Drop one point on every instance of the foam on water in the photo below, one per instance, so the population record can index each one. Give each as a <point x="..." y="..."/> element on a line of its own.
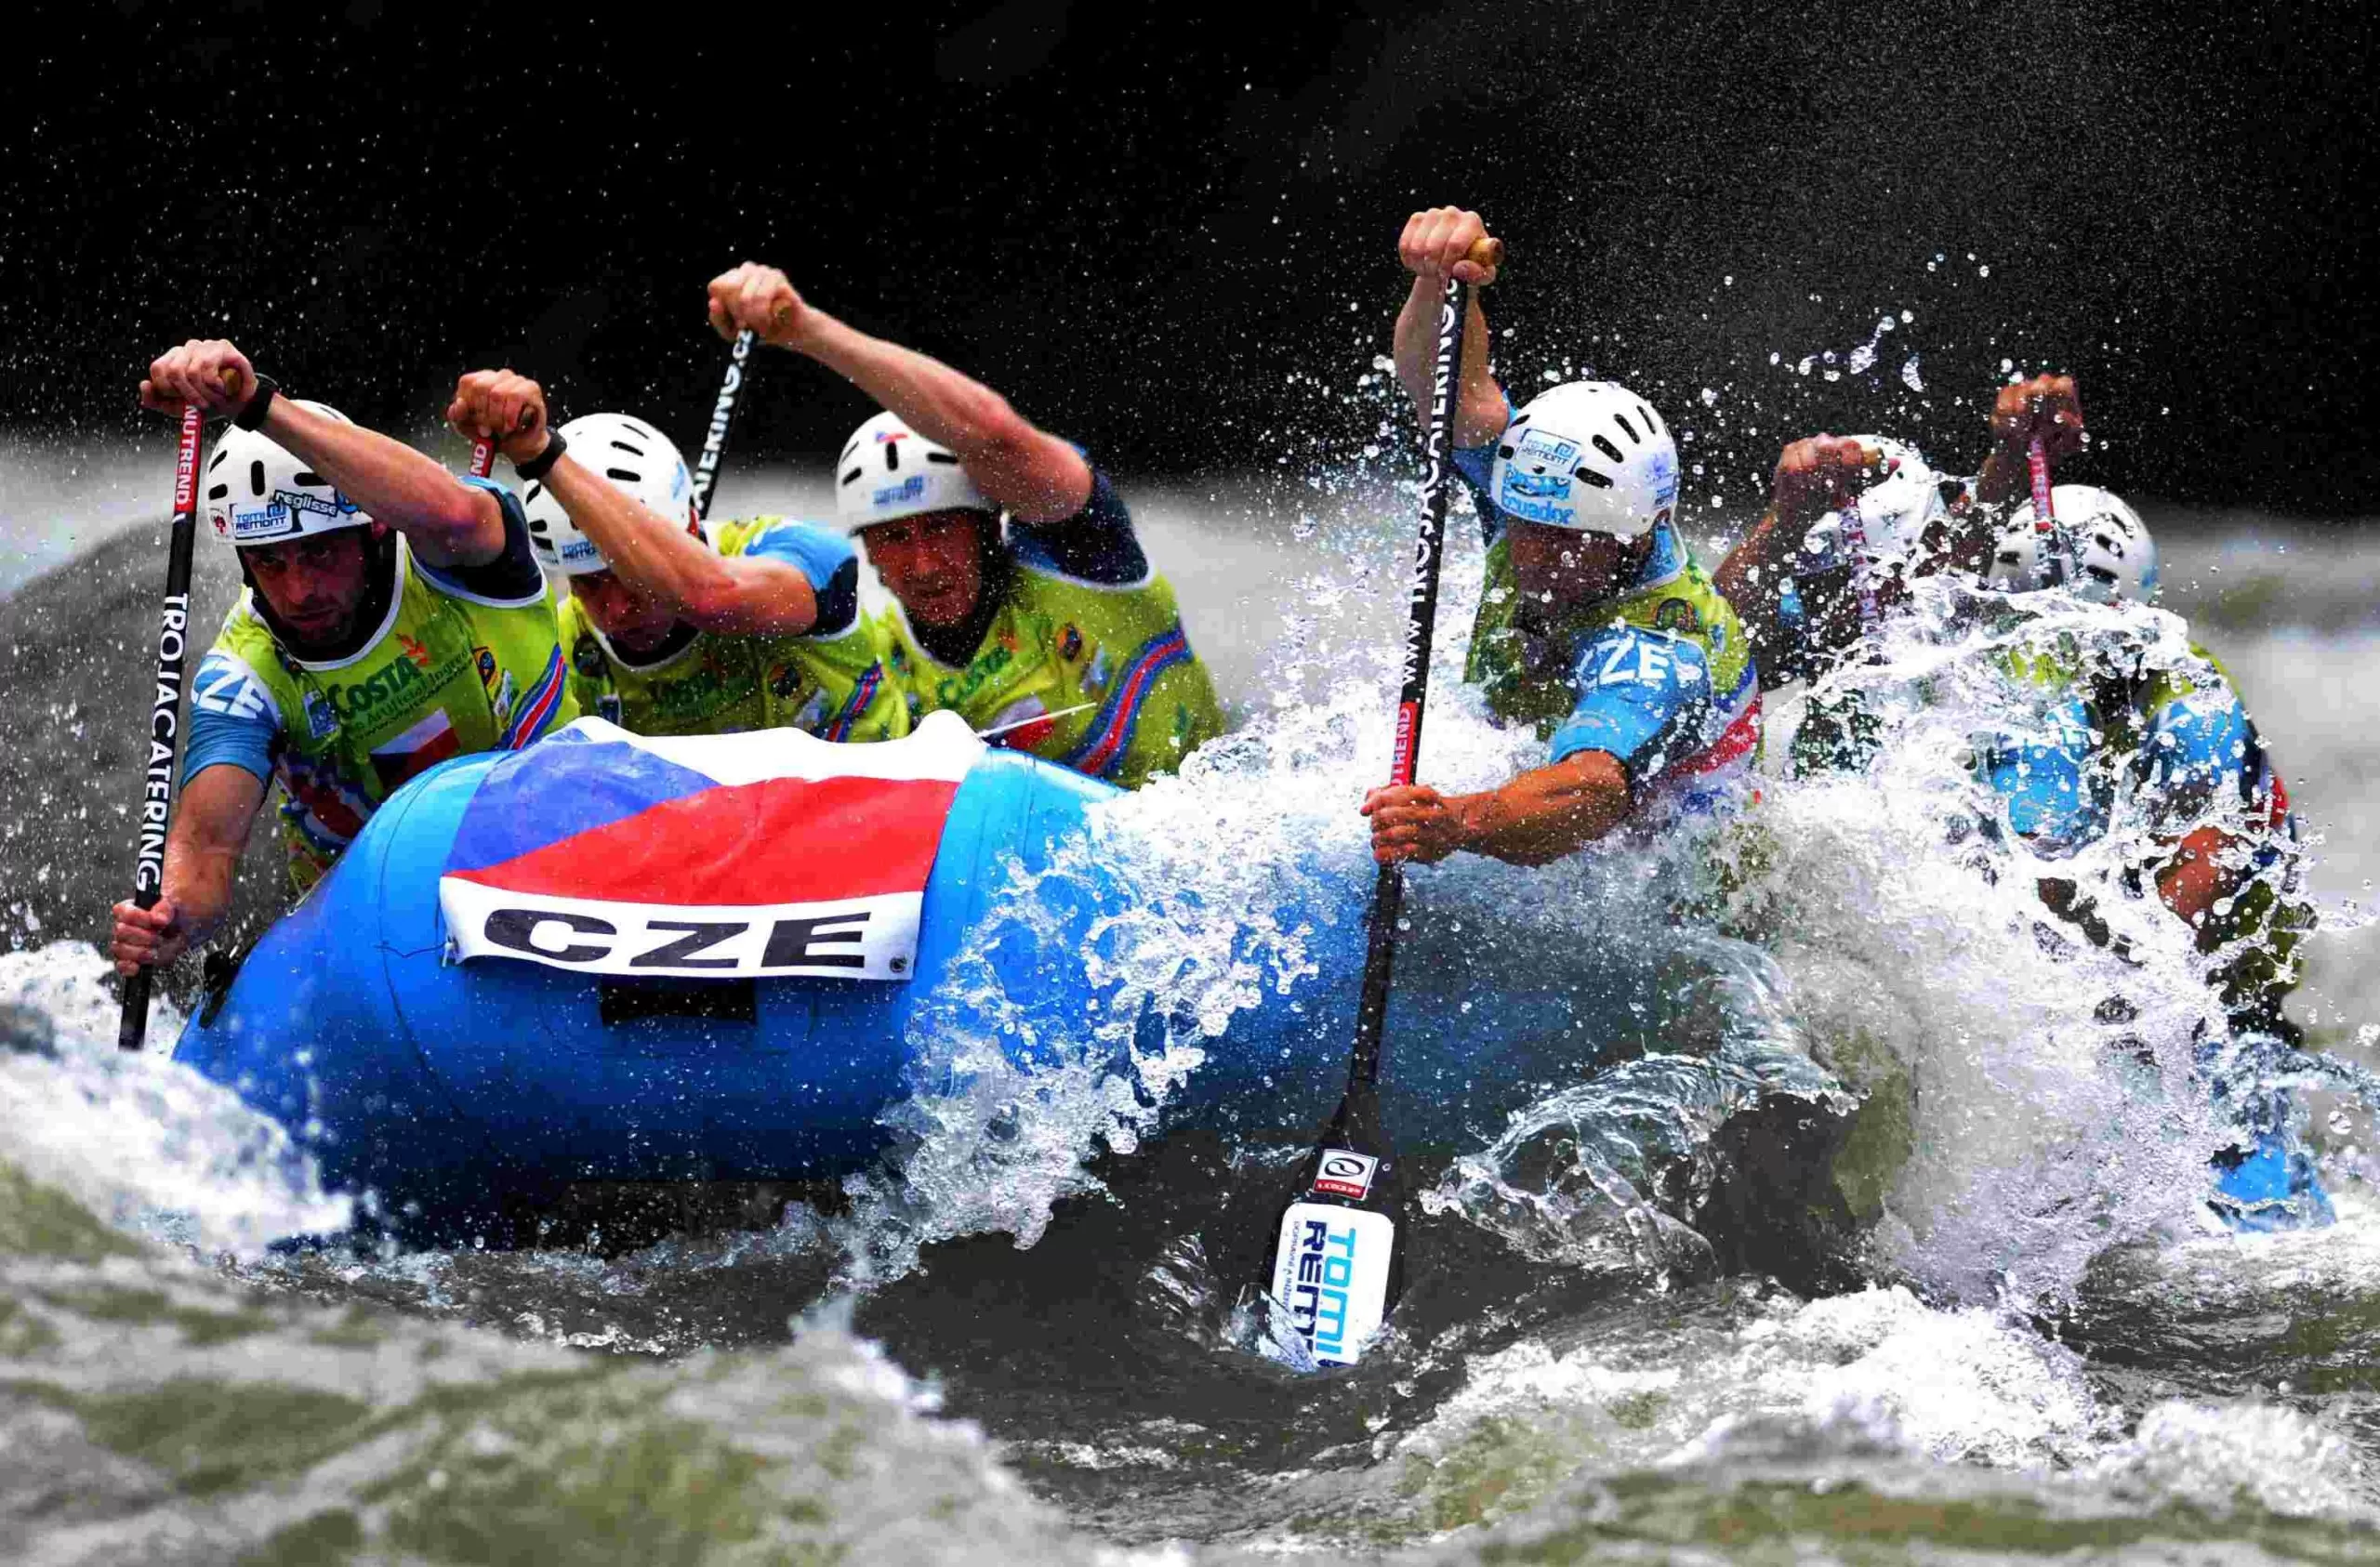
<point x="152" y="1146"/>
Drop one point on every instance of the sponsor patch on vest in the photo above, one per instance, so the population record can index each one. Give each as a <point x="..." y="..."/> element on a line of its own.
<point x="322" y="721"/>
<point x="586" y="656"/>
<point x="1070" y="642"/>
<point x="1676" y="615"/>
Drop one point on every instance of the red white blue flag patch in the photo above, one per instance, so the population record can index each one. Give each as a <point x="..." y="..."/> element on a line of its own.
<point x="730" y="856"/>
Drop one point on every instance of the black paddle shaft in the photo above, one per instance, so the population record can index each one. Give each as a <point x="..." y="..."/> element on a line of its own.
<point x="1429" y="549"/>
<point x="165" y="719"/>
<point x="721" y="414"/>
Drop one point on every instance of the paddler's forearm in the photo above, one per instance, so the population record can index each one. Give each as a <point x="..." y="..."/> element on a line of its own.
<point x="1482" y="410"/>
<point x="1546" y="812"/>
<point x="1013" y="462"/>
<point x="391" y="482"/>
<point x="2196" y="879"/>
<point x="662" y="560"/>
<point x="202" y="850"/>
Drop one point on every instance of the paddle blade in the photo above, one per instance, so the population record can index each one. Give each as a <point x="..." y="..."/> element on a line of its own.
<point x="1332" y="1267"/>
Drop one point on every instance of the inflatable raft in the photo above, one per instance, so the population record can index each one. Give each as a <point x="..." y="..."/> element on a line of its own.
<point x="440" y="1026"/>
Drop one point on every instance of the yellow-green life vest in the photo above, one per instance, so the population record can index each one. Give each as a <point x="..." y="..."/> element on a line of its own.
<point x="1524" y="657"/>
<point x="839" y="687"/>
<point x="1118" y="653"/>
<point x="449" y="674"/>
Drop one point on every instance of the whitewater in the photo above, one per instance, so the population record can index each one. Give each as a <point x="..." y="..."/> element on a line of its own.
<point x="1998" y="1324"/>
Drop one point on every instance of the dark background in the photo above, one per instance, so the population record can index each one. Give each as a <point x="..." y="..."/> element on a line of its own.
<point x="1171" y="236"/>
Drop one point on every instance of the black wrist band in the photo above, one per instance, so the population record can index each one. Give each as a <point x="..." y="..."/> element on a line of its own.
<point x="251" y="413"/>
<point x="536" y="466"/>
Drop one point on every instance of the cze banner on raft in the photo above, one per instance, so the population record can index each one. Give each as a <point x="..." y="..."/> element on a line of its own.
<point x="725" y="857"/>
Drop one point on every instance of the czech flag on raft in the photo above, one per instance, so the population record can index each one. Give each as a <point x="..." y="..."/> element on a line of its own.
<point x="730" y="856"/>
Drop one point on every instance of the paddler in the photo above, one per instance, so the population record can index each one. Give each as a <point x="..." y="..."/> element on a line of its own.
<point x="1057" y="638"/>
<point x="394" y="616"/>
<point x="1852" y="520"/>
<point x="2222" y="847"/>
<point x="1595" y="627"/>
<point x="673" y="626"/>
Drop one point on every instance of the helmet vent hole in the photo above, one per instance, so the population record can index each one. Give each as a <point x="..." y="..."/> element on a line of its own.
<point x="1604" y="445"/>
<point x="940" y="457"/>
<point x="1588" y="476"/>
<point x="219" y="492"/>
<point x="1520" y="419"/>
<point x="1652" y="420"/>
<point x="892" y="456"/>
<point x="218" y="461"/>
<point x="309" y="479"/>
<point x="256" y="478"/>
<point x="852" y="477"/>
<point x="534" y="490"/>
<point x="1505" y="453"/>
<point x="1621" y="420"/>
<point x="626" y="476"/>
<point x="618" y="445"/>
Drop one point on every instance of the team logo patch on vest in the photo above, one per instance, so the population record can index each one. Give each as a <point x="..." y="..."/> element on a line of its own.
<point x="322" y="718"/>
<point x="1676" y="615"/>
<point x="586" y="656"/>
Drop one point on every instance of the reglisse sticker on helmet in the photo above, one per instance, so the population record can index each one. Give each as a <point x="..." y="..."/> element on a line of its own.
<point x="1345" y="1174"/>
<point x="1330" y="1269"/>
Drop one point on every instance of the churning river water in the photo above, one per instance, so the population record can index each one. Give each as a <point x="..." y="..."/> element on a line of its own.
<point x="1018" y="1340"/>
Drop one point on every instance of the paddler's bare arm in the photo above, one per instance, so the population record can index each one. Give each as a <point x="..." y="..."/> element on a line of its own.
<point x="2196" y="879"/>
<point x="211" y="825"/>
<point x="652" y="553"/>
<point x="1812" y="476"/>
<point x="449" y="522"/>
<point x="1434" y="242"/>
<point x="1538" y="817"/>
<point x="2049" y="406"/>
<point x="1019" y="466"/>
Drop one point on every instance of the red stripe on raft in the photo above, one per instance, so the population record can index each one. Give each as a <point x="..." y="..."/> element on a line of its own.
<point x="782" y="840"/>
<point x="1736" y="743"/>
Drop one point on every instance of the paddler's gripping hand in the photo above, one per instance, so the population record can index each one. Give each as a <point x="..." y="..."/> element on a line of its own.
<point x="761" y="300"/>
<point x="1440" y="241"/>
<point x="147" y="938"/>
<point x="1413" y="822"/>
<point x="1817" y="474"/>
<point x="2047" y="406"/>
<point x="208" y="371"/>
<point x="489" y="403"/>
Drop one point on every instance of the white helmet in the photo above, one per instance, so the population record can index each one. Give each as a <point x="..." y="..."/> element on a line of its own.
<point x="888" y="470"/>
<point x="1590" y="455"/>
<point x="2114" y="557"/>
<point x="1894" y="512"/>
<point x="630" y="453"/>
<point x="257" y="492"/>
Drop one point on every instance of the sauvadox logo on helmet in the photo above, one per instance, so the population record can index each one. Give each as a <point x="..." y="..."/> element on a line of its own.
<point x="910" y="489"/>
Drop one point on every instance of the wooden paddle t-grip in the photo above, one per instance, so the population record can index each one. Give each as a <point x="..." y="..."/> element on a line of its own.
<point x="1486" y="251"/>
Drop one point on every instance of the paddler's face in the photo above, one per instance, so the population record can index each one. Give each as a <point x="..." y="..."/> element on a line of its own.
<point x="633" y="619"/>
<point x="934" y="563"/>
<point x="1564" y="566"/>
<point x="316" y="584"/>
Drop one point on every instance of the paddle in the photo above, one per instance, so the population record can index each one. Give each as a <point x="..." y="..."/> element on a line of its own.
<point x="1336" y="1262"/>
<point x="1863" y="575"/>
<point x="165" y="716"/>
<point x="2052" y="563"/>
<point x="715" y="439"/>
